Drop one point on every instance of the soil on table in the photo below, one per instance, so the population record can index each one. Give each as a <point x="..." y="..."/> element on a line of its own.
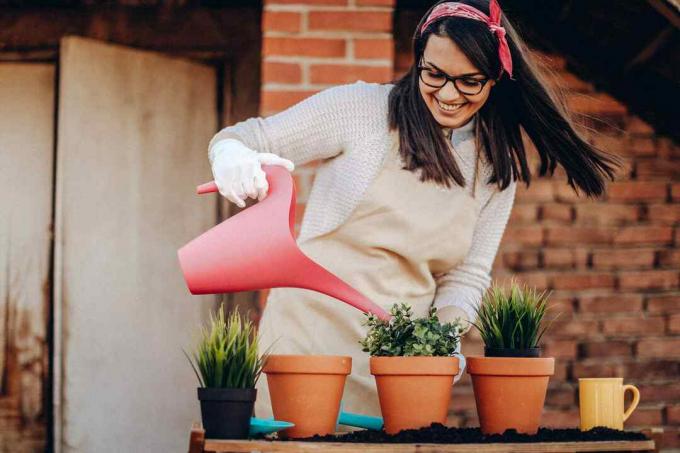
<point x="440" y="434"/>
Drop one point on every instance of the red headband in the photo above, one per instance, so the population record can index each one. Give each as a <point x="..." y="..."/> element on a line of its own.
<point x="456" y="9"/>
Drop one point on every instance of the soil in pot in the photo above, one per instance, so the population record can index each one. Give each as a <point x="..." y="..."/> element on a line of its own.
<point x="438" y="433"/>
<point x="226" y="412"/>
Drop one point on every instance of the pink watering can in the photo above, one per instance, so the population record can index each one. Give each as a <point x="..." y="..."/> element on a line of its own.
<point x="256" y="249"/>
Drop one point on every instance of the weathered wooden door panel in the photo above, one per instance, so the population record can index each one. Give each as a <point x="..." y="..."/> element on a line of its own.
<point x="132" y="134"/>
<point x="26" y="181"/>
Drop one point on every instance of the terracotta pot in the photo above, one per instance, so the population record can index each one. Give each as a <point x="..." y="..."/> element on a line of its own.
<point x="413" y="391"/>
<point x="307" y="390"/>
<point x="510" y="391"/>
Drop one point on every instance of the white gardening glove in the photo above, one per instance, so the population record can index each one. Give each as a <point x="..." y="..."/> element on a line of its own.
<point x="450" y="314"/>
<point x="238" y="173"/>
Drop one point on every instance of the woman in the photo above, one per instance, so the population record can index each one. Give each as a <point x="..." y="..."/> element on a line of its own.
<point x="416" y="183"/>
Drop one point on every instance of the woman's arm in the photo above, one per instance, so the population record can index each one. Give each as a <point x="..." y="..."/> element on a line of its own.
<point x="460" y="291"/>
<point x="315" y="128"/>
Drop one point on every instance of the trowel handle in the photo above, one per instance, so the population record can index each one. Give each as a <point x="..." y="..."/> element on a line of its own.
<point x="360" y="421"/>
<point x="208" y="187"/>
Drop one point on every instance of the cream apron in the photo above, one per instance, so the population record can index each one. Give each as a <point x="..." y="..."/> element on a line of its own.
<point x="400" y="234"/>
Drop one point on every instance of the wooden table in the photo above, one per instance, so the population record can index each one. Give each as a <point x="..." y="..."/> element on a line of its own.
<point x="199" y="444"/>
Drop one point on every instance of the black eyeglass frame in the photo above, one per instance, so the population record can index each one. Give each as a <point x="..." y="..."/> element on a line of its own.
<point x="453" y="80"/>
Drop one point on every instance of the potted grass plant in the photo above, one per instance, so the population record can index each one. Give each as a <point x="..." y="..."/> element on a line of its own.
<point x="412" y="365"/>
<point x="511" y="380"/>
<point x="227" y="364"/>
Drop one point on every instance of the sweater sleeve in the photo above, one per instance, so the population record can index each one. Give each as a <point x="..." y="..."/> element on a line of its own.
<point x="464" y="286"/>
<point x="315" y="128"/>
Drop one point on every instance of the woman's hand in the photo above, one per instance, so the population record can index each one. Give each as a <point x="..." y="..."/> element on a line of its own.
<point x="238" y="173"/>
<point x="449" y="314"/>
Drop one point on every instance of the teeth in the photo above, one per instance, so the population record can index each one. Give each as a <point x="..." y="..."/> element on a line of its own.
<point x="449" y="107"/>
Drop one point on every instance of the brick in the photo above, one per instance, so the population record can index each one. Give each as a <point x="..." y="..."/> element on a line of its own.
<point x="661" y="368"/>
<point x="557" y="212"/>
<point x="664" y="213"/>
<point x="281" y="21"/>
<point x="380" y="48"/>
<point x="380" y="21"/>
<point x="564" y="193"/>
<point x="634" y="325"/>
<point x="568" y="327"/>
<point x="612" y="348"/>
<point x="610" y="304"/>
<point x="340" y="73"/>
<point x="523" y="214"/>
<point x="673" y="414"/>
<point x="664" y="304"/>
<point x="669" y="258"/>
<point x="307" y="2"/>
<point x="675" y="191"/>
<point x="669" y="439"/>
<point x="656" y="168"/>
<point x="582" y="281"/>
<point x="660" y="279"/>
<point x="281" y="73"/>
<point x="644" y="235"/>
<point x="663" y="348"/>
<point x="642" y="146"/>
<point x="560" y="418"/>
<point x="519" y="261"/>
<point x="524" y="235"/>
<point x="646" y="416"/>
<point x="561" y="371"/>
<point x="595" y="104"/>
<point x="562" y="349"/>
<point x="660" y="392"/>
<point x="623" y="258"/>
<point x="606" y="214"/>
<point x="275" y="101"/>
<point x="538" y="280"/>
<point x="563" y="396"/>
<point x="564" y="306"/>
<point x="595" y="368"/>
<point x="636" y="126"/>
<point x="376" y="2"/>
<point x="563" y="235"/>
<point x="562" y="258"/>
<point x="674" y="324"/>
<point x="538" y="191"/>
<point x="676" y="236"/>
<point x="635" y="191"/>
<point x="304" y="47"/>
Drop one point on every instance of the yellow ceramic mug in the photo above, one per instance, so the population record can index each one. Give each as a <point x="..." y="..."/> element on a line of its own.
<point x="601" y="402"/>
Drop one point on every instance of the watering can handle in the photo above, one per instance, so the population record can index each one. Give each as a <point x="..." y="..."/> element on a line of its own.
<point x="208" y="187"/>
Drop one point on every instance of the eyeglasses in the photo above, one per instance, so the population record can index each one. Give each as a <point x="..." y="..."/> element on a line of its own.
<point x="464" y="84"/>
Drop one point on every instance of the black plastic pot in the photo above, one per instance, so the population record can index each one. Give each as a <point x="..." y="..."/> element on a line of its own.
<point x="507" y="352"/>
<point x="226" y="412"/>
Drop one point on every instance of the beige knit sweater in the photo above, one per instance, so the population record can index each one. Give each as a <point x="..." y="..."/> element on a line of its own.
<point x="347" y="127"/>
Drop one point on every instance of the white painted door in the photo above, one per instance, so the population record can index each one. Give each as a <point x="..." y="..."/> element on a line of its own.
<point x="133" y="127"/>
<point x="26" y="188"/>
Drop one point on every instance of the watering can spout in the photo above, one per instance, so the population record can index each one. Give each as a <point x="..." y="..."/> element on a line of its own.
<point x="256" y="249"/>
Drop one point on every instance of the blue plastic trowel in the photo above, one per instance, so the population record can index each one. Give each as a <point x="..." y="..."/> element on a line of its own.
<point x="269" y="425"/>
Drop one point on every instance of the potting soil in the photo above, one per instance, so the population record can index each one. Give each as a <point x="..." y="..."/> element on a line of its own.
<point x="440" y="434"/>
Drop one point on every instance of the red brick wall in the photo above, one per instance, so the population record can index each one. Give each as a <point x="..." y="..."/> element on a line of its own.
<point x="613" y="264"/>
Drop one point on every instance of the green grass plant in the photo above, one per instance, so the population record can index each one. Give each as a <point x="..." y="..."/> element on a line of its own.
<point x="512" y="319"/>
<point x="227" y="355"/>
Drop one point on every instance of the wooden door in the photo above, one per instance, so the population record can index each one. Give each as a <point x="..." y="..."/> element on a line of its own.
<point x="133" y="127"/>
<point x="26" y="181"/>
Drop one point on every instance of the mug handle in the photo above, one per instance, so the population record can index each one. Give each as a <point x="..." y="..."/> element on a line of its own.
<point x="634" y="403"/>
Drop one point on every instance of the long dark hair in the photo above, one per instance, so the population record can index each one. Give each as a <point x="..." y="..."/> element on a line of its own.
<point x="524" y="103"/>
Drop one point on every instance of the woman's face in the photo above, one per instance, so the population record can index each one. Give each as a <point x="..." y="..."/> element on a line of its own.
<point x="450" y="107"/>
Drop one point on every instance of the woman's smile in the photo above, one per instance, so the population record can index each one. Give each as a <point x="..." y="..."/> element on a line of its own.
<point x="450" y="108"/>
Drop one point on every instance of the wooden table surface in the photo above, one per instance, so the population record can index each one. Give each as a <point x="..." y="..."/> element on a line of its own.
<point x="199" y="444"/>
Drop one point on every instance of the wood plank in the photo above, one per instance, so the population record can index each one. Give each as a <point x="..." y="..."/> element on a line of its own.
<point x="133" y="131"/>
<point x="238" y="446"/>
<point x="26" y="189"/>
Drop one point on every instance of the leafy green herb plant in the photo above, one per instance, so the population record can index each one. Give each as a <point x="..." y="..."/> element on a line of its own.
<point x="404" y="336"/>
<point x="227" y="355"/>
<point x="512" y="319"/>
